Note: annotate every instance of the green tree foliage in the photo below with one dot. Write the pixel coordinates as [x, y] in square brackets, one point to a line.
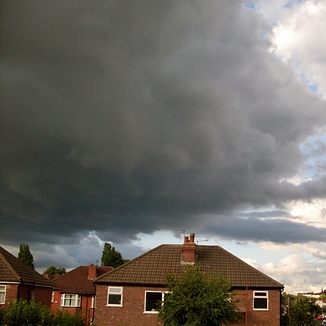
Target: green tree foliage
[25, 255]
[299, 310]
[53, 271]
[196, 298]
[111, 257]
[23, 313]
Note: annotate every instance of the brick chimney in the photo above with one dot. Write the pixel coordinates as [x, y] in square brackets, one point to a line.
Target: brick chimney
[189, 250]
[92, 271]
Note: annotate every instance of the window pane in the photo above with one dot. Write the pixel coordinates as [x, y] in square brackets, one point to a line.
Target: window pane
[71, 300]
[260, 303]
[114, 299]
[114, 290]
[153, 300]
[2, 297]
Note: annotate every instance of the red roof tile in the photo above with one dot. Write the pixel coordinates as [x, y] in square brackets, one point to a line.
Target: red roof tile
[13, 270]
[151, 268]
[77, 281]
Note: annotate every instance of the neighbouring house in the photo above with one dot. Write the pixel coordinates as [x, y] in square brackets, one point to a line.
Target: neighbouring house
[19, 281]
[75, 290]
[129, 294]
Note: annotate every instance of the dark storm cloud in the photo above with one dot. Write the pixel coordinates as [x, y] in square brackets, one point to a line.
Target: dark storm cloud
[125, 117]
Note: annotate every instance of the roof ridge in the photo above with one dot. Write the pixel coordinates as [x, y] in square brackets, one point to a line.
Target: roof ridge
[68, 272]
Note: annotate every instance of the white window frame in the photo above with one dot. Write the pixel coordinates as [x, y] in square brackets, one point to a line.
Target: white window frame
[70, 296]
[115, 290]
[3, 290]
[52, 296]
[256, 296]
[153, 311]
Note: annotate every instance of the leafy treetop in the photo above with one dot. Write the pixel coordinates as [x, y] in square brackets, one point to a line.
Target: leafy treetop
[197, 298]
[25, 255]
[111, 257]
[53, 271]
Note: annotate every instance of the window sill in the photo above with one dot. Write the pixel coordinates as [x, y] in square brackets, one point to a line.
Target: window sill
[151, 312]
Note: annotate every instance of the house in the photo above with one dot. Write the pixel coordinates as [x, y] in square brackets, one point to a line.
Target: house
[19, 281]
[128, 294]
[75, 290]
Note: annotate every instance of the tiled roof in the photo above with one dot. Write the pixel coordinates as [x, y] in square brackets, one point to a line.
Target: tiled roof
[13, 270]
[151, 268]
[77, 281]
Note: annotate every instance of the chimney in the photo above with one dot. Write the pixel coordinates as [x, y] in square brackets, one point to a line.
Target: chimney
[92, 271]
[189, 250]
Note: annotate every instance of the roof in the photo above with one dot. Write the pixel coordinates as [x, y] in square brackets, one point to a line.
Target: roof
[77, 281]
[151, 268]
[14, 270]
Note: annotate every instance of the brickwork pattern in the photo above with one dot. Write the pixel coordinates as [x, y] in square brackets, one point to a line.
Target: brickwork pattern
[25, 292]
[132, 312]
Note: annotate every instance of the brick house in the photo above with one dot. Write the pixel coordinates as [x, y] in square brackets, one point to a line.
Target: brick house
[128, 294]
[75, 290]
[19, 281]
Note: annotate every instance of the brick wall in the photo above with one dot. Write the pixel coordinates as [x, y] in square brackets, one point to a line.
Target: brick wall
[270, 317]
[132, 312]
[39, 294]
[11, 293]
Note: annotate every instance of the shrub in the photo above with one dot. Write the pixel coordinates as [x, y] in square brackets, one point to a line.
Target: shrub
[23, 313]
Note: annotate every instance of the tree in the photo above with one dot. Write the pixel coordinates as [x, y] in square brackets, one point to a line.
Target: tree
[25, 255]
[111, 257]
[196, 298]
[53, 271]
[301, 310]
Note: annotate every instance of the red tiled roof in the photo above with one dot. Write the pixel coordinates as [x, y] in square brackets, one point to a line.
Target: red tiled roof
[13, 270]
[77, 281]
[151, 268]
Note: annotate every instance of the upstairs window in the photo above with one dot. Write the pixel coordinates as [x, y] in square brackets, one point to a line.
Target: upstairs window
[70, 300]
[2, 293]
[115, 296]
[153, 301]
[260, 300]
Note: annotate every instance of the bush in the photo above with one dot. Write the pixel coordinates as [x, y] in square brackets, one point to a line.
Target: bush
[23, 313]
[65, 318]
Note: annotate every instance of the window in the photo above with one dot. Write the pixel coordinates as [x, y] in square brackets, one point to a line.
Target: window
[2, 293]
[115, 296]
[52, 296]
[260, 300]
[153, 300]
[70, 300]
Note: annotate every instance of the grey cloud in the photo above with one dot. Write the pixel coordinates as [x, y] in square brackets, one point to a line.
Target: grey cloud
[122, 118]
[274, 230]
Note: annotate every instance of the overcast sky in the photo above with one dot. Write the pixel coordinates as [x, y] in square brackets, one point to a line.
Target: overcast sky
[129, 121]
